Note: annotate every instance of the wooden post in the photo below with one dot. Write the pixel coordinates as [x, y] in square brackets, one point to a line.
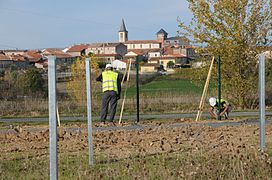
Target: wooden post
[125, 94]
[58, 117]
[123, 79]
[204, 93]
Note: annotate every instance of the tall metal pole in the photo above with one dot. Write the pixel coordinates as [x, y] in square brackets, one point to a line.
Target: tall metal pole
[262, 100]
[219, 88]
[52, 118]
[89, 108]
[137, 87]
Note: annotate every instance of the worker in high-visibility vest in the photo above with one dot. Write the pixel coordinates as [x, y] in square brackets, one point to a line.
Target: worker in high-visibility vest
[225, 107]
[111, 87]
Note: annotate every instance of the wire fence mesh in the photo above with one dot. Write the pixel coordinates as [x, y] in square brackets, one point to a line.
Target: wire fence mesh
[158, 94]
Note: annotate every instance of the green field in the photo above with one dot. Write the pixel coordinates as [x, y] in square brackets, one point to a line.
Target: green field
[168, 86]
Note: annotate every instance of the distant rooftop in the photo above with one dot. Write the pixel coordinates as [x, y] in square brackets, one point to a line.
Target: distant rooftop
[161, 31]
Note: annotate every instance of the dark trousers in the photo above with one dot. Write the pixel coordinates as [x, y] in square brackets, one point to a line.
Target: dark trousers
[109, 98]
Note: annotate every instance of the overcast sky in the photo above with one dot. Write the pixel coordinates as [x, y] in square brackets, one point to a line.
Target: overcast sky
[34, 24]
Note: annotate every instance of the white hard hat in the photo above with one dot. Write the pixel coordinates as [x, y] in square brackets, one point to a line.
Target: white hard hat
[212, 101]
[108, 66]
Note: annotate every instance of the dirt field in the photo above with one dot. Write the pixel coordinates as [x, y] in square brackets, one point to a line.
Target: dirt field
[236, 142]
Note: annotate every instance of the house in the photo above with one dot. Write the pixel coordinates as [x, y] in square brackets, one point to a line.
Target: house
[107, 58]
[149, 68]
[107, 50]
[77, 50]
[14, 52]
[20, 61]
[5, 61]
[188, 51]
[62, 58]
[136, 53]
[42, 64]
[177, 60]
[119, 65]
[33, 56]
[177, 41]
[163, 61]
[154, 53]
[143, 44]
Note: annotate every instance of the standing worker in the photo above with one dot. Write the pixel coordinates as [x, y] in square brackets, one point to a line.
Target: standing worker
[111, 86]
[225, 108]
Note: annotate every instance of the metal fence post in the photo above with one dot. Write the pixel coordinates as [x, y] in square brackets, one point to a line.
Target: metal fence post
[137, 89]
[89, 109]
[52, 117]
[262, 100]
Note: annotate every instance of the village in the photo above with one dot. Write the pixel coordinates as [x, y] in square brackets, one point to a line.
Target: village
[162, 53]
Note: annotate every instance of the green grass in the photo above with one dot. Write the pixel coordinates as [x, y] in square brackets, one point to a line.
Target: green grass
[167, 85]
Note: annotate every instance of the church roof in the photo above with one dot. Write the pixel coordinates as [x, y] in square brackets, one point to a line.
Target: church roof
[161, 31]
[123, 27]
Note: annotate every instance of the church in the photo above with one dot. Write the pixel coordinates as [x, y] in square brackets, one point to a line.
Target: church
[157, 52]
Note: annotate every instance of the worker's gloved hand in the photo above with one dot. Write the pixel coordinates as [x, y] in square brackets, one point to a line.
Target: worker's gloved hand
[118, 96]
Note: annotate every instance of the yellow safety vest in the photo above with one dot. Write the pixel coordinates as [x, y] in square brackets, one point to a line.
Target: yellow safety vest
[221, 103]
[109, 81]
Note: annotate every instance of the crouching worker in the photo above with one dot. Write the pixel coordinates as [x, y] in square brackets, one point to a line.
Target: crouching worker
[225, 108]
[111, 86]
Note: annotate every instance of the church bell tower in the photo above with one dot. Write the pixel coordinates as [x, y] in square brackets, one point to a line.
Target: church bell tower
[123, 33]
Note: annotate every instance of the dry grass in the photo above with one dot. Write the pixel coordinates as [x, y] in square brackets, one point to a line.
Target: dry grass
[192, 152]
[176, 165]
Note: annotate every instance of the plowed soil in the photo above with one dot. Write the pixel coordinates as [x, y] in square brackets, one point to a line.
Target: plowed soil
[159, 138]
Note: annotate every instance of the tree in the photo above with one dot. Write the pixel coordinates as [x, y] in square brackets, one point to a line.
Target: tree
[77, 84]
[32, 82]
[237, 30]
[170, 64]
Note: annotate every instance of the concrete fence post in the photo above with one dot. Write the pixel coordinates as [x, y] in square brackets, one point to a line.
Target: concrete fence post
[89, 109]
[262, 100]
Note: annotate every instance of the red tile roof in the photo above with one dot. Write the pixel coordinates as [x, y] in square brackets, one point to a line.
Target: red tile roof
[4, 57]
[78, 48]
[57, 52]
[137, 51]
[18, 58]
[33, 56]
